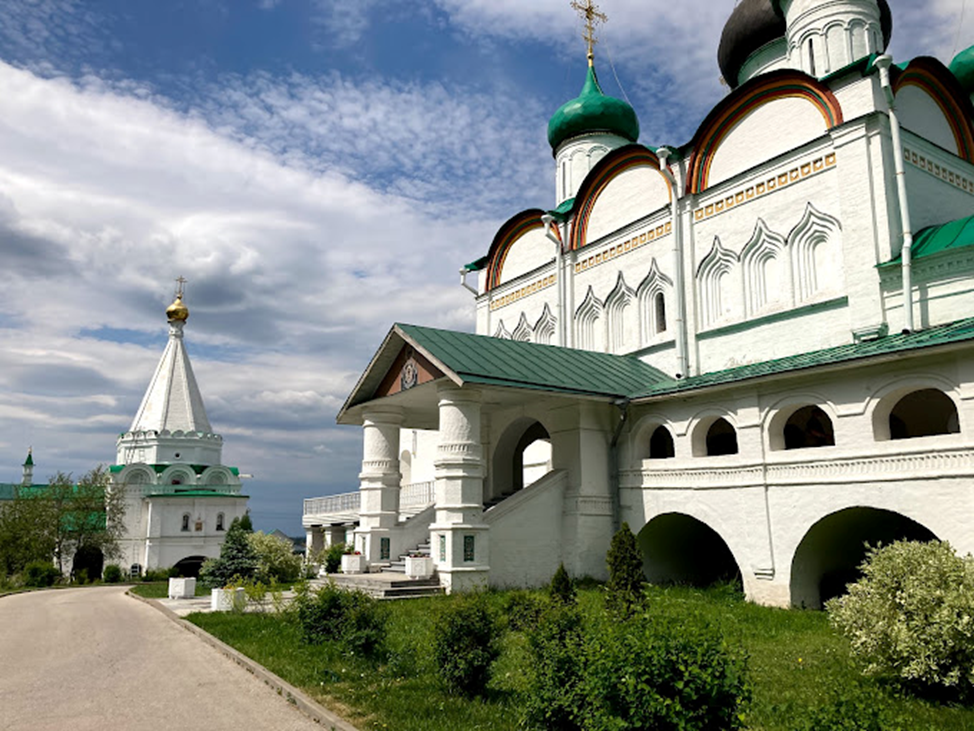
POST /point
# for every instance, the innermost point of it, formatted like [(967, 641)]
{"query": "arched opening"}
[(406, 466), (660, 303), (189, 566), (661, 444), (721, 439), (923, 413), (185, 523), (678, 549), (522, 457), (88, 563), (828, 558), (220, 521), (808, 427)]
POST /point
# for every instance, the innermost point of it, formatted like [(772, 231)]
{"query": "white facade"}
[(761, 270)]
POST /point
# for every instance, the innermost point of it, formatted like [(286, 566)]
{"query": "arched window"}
[(721, 439), (660, 304), (185, 527), (809, 426), (923, 413), (661, 444), (219, 521)]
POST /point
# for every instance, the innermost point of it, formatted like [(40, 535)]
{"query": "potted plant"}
[(353, 562), (419, 565)]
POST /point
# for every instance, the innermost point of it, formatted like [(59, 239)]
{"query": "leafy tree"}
[(25, 532), (237, 558), (624, 590), (276, 560)]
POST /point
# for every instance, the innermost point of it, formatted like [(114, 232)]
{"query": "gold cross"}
[(593, 16), (180, 281)]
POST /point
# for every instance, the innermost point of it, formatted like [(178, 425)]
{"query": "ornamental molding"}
[(522, 292), (609, 253), (588, 505), (937, 170)]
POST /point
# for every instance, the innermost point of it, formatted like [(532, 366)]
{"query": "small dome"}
[(177, 311), (963, 68), (755, 23), (592, 111)]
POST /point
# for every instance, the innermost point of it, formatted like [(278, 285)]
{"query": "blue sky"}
[(317, 170)]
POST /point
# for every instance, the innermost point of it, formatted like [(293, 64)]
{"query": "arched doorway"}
[(88, 563), (828, 557), (678, 549), (522, 457), (189, 566)]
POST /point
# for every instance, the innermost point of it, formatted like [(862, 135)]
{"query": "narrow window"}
[(185, 523), (811, 57), (660, 313), (219, 521)]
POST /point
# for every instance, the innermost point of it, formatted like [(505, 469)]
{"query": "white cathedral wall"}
[(858, 95), (940, 186), (943, 287), (920, 113), (529, 252), (628, 197), (167, 543)]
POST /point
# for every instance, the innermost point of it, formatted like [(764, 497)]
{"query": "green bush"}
[(852, 709), (627, 581), (555, 696), (562, 587), (466, 641), (353, 619), (662, 673), (911, 615), (150, 575), (237, 560), (112, 574), (276, 560), (40, 573), (523, 609), (333, 558)]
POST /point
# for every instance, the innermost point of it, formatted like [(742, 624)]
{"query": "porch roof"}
[(480, 359)]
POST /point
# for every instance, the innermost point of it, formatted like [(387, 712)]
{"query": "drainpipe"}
[(463, 281), (682, 363), (623, 406), (548, 221), (906, 253)]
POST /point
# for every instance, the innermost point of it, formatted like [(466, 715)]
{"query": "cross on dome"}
[(593, 16)]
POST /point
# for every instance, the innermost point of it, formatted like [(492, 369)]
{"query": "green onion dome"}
[(963, 68), (592, 111)]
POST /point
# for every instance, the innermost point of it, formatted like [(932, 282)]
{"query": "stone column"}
[(334, 535), (458, 535), (379, 486), (314, 541)]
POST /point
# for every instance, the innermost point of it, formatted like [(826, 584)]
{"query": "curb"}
[(297, 698)]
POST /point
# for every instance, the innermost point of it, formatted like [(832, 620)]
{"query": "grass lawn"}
[(160, 590), (797, 664)]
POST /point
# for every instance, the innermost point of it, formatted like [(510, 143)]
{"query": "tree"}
[(276, 560), (237, 558), (624, 589), (25, 531)]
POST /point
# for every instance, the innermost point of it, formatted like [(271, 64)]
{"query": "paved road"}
[(83, 659)]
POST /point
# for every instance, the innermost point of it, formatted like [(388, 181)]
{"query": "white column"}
[(334, 535), (379, 484), (459, 536)]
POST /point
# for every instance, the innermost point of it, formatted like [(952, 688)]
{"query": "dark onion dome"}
[(963, 68), (591, 112), (755, 23)]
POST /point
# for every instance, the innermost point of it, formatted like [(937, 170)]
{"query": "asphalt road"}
[(81, 659)]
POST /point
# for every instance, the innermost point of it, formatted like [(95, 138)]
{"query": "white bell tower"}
[(824, 37)]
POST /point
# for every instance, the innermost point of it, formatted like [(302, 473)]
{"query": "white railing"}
[(415, 497), (346, 502)]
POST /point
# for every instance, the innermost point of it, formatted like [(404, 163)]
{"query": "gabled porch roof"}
[(466, 358)]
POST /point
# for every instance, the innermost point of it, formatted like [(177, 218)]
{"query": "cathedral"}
[(755, 348)]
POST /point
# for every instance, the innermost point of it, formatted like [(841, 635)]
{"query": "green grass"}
[(160, 590), (797, 664)]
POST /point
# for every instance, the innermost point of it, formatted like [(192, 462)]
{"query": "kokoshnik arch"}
[(755, 348)]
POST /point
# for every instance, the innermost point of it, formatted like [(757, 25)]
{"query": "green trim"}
[(116, 468), (476, 266), (832, 304), (864, 66), (951, 236), (592, 111), (563, 212)]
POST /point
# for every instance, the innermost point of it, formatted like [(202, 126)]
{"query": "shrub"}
[(156, 574), (624, 590), (664, 674), (40, 573), (911, 616), (523, 609), (353, 619), (852, 709), (562, 587), (555, 696), (276, 560), (112, 574), (237, 558), (333, 558), (466, 641)]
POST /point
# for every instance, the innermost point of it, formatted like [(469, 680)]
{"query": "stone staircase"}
[(399, 567), (497, 499), (385, 585)]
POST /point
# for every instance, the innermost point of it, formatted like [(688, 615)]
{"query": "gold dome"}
[(177, 311)]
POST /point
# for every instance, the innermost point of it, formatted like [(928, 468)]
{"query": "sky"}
[(316, 169)]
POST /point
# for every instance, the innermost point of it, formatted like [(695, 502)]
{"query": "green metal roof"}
[(498, 362), (962, 66), (8, 491), (954, 332), (198, 493), (199, 469), (932, 240), (563, 211)]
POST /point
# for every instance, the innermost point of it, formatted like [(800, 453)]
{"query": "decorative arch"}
[(137, 474), (714, 282), (654, 285), (523, 331), (544, 328), (679, 548), (619, 318), (178, 475), (702, 431), (885, 399), (508, 234), (779, 414), (509, 471), (767, 274), (605, 171), (935, 79), (809, 261), (751, 95), (502, 332), (589, 323), (217, 475)]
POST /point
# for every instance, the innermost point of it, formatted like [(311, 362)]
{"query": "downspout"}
[(548, 220), (614, 487), (906, 253), (463, 281), (682, 361)]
